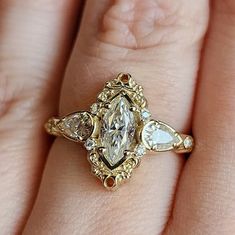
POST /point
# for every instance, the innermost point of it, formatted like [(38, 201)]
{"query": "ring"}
[(118, 131)]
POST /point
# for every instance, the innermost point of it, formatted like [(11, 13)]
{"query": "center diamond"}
[(117, 131)]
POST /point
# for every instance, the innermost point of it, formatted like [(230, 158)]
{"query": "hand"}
[(161, 43)]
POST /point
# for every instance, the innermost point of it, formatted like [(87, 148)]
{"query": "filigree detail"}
[(51, 126), (119, 174), (122, 89), (118, 131), (128, 86)]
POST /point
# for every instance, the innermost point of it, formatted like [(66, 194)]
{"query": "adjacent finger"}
[(206, 194), (35, 39), (158, 42)]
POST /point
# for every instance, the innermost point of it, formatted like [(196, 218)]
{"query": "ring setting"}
[(118, 131)]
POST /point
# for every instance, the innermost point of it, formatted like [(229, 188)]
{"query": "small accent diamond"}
[(102, 96), (90, 144), (140, 150), (188, 142), (145, 114), (95, 108)]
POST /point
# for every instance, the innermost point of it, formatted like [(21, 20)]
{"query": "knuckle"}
[(145, 24)]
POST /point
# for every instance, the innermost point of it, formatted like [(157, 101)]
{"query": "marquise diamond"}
[(117, 131)]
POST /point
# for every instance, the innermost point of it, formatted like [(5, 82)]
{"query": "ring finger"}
[(159, 43)]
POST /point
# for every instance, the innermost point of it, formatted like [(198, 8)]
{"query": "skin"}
[(182, 52)]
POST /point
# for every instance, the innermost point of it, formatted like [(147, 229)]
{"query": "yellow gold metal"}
[(118, 130)]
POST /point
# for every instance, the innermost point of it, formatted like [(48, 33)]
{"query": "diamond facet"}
[(159, 136), (77, 126), (118, 128)]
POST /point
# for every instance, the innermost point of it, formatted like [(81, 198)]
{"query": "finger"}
[(206, 194), (35, 38), (144, 38)]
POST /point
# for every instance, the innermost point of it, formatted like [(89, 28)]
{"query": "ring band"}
[(118, 131)]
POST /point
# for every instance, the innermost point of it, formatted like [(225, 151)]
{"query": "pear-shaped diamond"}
[(158, 136), (76, 126), (117, 131)]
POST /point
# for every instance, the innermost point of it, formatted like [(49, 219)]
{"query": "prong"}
[(80, 139), (91, 155), (154, 148), (133, 109), (123, 93), (176, 145), (101, 150), (128, 153), (158, 126), (107, 105)]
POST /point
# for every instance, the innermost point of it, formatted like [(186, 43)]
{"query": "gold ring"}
[(118, 131)]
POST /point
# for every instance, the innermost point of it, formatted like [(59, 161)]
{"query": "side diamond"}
[(158, 136), (76, 126)]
